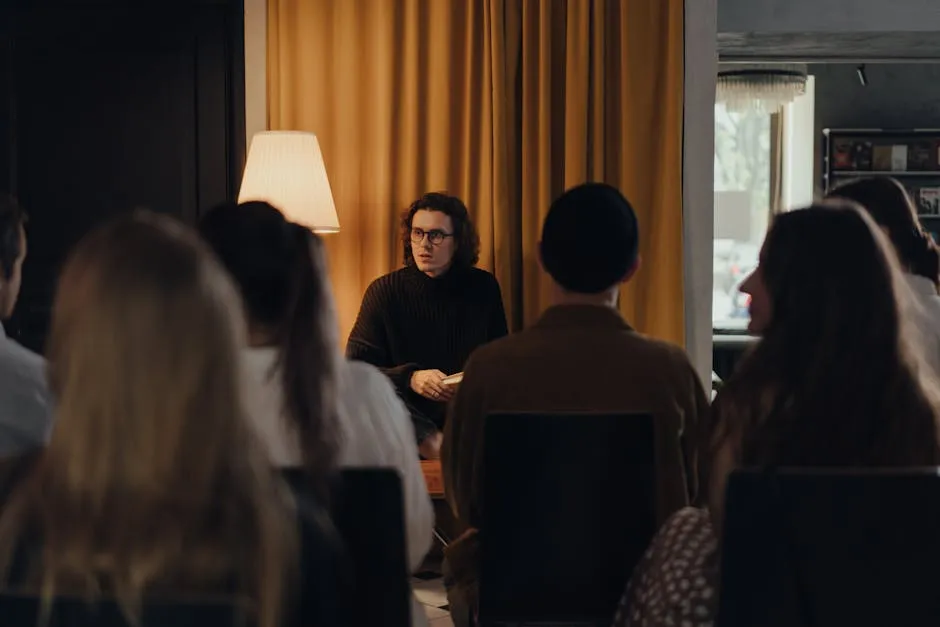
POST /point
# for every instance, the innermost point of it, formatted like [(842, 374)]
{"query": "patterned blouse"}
[(675, 584)]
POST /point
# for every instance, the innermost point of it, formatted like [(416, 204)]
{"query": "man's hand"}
[(428, 384), (430, 447)]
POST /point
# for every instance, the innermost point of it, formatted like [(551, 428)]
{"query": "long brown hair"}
[(151, 482), (280, 270), (891, 207), (835, 381)]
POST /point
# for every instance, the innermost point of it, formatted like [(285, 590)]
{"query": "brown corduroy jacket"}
[(576, 358)]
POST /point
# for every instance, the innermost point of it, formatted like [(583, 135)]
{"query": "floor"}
[(428, 583), (429, 588)]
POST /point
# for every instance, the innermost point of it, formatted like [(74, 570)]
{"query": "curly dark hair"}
[(466, 237)]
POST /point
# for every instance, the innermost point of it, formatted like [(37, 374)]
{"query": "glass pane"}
[(742, 208)]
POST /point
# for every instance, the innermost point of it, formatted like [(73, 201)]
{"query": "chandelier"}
[(762, 87)]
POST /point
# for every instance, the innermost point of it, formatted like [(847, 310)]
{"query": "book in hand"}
[(453, 379)]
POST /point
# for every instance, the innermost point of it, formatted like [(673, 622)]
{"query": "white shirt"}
[(25, 400), (375, 432), (926, 318)]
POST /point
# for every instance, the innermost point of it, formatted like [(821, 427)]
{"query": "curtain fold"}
[(504, 103)]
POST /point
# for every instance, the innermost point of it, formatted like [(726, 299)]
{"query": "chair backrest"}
[(830, 548), (368, 511), (568, 510), (20, 610)]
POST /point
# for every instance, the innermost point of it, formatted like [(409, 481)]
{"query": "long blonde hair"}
[(151, 482)]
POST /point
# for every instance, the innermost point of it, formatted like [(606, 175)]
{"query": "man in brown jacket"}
[(581, 356)]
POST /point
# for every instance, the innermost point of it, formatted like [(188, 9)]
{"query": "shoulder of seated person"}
[(497, 352), (386, 281), (657, 347), (480, 274), (482, 278), (658, 356), (17, 359), (671, 361), (362, 377)]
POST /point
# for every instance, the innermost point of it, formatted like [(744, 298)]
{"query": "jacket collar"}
[(582, 317)]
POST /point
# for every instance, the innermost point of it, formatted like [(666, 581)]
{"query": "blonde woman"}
[(152, 483)]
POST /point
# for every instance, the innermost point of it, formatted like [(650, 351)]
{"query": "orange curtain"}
[(504, 103)]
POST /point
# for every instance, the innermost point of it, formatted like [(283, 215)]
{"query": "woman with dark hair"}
[(891, 207), (419, 324), (834, 382), (291, 330), (309, 406)]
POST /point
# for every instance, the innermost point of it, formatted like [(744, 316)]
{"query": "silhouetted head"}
[(437, 234), (590, 239), (280, 270), (891, 207), (824, 268), (836, 379), (12, 253)]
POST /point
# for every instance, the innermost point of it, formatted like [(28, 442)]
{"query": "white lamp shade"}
[(286, 169)]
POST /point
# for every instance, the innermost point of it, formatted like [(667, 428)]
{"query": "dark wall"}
[(827, 16), (897, 97), (108, 106)]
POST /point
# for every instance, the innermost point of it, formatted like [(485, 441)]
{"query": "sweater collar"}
[(582, 316), (445, 281)]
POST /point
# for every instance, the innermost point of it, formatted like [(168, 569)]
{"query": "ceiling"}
[(890, 47)]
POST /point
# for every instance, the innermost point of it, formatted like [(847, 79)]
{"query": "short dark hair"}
[(12, 219), (465, 233), (590, 238)]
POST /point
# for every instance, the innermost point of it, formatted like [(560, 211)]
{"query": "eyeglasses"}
[(435, 236)]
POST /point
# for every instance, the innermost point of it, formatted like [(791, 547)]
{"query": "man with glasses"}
[(420, 323)]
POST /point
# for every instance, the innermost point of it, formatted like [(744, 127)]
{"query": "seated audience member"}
[(890, 206), (152, 484), (421, 322), (834, 382), (25, 403), (308, 405), (580, 356)]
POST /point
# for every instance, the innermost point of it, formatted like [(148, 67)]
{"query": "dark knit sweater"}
[(409, 321)]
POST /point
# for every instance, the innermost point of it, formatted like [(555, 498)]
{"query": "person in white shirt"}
[(888, 203), (295, 369), (25, 400)]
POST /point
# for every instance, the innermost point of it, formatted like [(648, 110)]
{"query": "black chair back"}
[(568, 510), (20, 610), (367, 508), (831, 548)]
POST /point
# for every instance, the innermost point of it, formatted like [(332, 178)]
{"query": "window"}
[(742, 207), (762, 161)]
